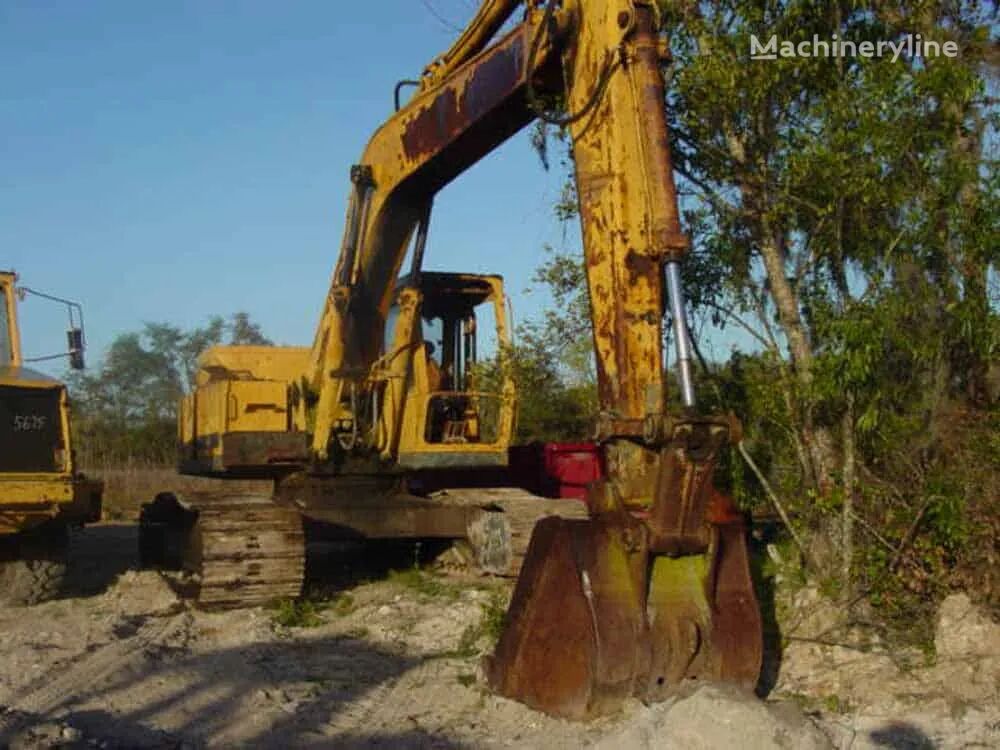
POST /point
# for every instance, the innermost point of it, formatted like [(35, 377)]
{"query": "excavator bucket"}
[(601, 612)]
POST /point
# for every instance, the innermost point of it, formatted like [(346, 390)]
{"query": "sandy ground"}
[(391, 662), (120, 662)]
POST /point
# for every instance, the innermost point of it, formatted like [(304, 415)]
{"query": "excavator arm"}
[(602, 59), (654, 587), (461, 113)]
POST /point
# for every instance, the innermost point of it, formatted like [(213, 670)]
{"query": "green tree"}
[(843, 204)]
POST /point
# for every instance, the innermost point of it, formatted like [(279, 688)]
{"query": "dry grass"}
[(127, 486)]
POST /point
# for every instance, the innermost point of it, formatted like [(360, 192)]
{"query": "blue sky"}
[(171, 161)]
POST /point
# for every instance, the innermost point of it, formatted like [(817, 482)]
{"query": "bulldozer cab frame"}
[(34, 419), (38, 479), (10, 345)]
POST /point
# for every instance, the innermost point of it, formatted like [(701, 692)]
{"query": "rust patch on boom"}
[(641, 265), (466, 99)]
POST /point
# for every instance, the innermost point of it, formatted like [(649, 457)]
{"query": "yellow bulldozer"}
[(42, 495), (653, 587)]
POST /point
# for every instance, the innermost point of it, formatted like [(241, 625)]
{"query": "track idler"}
[(628, 604)]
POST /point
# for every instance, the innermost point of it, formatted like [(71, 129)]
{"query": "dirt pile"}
[(871, 696), (965, 631), (141, 594), (393, 663), (713, 716)]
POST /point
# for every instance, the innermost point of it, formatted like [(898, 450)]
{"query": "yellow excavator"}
[(653, 587), (41, 493)]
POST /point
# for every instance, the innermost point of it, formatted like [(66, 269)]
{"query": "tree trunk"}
[(817, 439), (771, 240), (850, 481)]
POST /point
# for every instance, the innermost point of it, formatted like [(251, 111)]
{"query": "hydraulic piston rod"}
[(681, 334)]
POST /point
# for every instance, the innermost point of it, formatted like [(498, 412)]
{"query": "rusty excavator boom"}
[(653, 587)]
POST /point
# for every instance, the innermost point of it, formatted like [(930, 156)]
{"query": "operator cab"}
[(459, 400)]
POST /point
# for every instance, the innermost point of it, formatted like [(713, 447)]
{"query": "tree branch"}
[(776, 502), (745, 326), (911, 532), (708, 192)]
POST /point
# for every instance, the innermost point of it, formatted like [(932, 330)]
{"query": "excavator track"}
[(246, 551), (239, 550)]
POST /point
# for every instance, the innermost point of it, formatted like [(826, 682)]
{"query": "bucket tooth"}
[(737, 627), (680, 623)]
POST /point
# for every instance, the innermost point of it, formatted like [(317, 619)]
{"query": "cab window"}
[(390, 329), (451, 342)]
